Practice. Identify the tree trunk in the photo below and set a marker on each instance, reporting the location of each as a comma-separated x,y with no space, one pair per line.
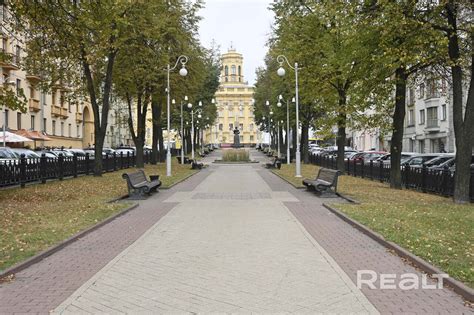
156,119
397,128
98,148
341,131
304,142
161,144
463,126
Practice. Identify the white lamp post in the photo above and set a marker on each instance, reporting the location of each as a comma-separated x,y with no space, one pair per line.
281,72
190,106
280,98
182,72
182,129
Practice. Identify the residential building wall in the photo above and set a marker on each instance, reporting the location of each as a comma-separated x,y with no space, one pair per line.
68,121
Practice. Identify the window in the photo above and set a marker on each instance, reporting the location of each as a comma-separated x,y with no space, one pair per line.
241,126
411,118
251,137
411,96
251,127
4,44
2,12
226,70
233,71
240,71
221,113
6,118
54,127
431,88
221,127
78,131
32,122
18,121
69,130
53,98
443,112
432,117
411,145
44,124
422,117
422,90
241,112
62,129
421,145
17,54
18,86
231,113
231,126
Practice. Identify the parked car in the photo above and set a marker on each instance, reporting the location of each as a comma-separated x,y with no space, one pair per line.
438,160
48,154
418,160
29,154
367,156
65,153
405,155
77,152
7,155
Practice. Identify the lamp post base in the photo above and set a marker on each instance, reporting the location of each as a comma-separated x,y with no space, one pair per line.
298,164
168,163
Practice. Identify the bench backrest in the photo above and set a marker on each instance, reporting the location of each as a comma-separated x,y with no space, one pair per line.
328,175
135,178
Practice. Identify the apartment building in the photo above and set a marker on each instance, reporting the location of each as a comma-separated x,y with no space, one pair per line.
68,121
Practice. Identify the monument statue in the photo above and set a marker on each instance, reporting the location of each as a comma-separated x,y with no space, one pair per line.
236,138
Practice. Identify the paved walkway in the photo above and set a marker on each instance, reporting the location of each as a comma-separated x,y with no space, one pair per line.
234,239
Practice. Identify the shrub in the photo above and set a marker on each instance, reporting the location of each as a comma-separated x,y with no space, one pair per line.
236,155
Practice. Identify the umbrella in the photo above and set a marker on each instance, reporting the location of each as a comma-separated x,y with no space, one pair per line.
11,137
33,135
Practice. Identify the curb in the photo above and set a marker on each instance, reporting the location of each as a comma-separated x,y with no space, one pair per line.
351,200
286,180
179,181
49,251
458,287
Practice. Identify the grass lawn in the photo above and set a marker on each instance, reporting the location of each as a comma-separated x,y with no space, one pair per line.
430,226
39,216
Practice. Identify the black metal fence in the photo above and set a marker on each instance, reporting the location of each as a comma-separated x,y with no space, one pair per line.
27,170
424,179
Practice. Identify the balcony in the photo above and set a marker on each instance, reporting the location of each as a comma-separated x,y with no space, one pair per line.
432,125
79,117
64,112
10,63
33,78
34,105
55,110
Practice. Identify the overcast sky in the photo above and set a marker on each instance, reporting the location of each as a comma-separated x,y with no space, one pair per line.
245,23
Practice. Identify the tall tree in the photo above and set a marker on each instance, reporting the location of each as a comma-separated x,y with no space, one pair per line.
76,43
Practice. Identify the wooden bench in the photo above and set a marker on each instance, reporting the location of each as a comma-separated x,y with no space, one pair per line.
196,165
326,179
139,186
276,164
186,160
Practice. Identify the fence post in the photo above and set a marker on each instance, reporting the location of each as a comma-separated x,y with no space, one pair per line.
43,166
121,160
371,169
74,165
105,161
22,170
128,159
446,174
354,168
406,170
423,177
381,171
115,161
87,163
60,166
362,167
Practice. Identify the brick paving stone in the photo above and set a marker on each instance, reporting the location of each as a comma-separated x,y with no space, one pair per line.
353,251
48,283
230,245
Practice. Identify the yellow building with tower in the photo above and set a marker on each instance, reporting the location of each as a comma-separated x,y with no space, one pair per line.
234,101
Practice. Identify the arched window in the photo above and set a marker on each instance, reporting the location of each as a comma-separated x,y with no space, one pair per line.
240,71
226,70
233,70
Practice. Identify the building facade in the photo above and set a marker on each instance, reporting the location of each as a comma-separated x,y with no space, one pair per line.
234,101
68,122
